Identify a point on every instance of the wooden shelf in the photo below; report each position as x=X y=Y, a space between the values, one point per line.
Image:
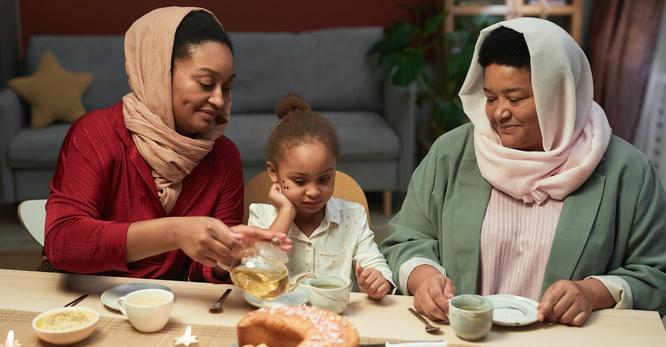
x=518 y=8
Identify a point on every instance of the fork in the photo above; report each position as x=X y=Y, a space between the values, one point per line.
x=217 y=307
x=431 y=329
x=76 y=301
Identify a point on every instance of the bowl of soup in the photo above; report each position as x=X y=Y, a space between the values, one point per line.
x=65 y=325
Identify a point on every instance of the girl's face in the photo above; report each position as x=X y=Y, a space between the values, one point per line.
x=306 y=175
x=201 y=88
x=510 y=107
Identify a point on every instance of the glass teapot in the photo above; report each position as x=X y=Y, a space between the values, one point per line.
x=262 y=271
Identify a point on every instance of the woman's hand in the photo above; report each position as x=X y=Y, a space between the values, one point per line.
x=279 y=200
x=571 y=302
x=432 y=292
x=372 y=282
x=209 y=241
x=248 y=235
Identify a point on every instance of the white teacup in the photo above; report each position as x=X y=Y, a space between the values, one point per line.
x=329 y=292
x=470 y=316
x=148 y=309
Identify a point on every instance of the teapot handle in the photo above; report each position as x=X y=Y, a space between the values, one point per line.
x=224 y=266
x=296 y=280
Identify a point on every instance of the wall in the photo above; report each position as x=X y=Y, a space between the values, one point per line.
x=114 y=17
x=9 y=41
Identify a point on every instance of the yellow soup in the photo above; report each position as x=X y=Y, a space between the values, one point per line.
x=65 y=320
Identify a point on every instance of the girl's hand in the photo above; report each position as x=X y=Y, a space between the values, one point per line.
x=571 y=302
x=372 y=282
x=278 y=199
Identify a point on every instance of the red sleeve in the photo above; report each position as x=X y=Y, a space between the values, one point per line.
x=76 y=239
x=230 y=199
x=230 y=202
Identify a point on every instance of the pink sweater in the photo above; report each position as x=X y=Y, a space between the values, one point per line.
x=515 y=244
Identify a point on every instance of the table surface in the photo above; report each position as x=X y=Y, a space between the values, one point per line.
x=386 y=319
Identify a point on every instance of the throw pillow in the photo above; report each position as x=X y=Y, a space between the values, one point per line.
x=52 y=92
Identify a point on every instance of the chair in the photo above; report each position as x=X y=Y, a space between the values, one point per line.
x=32 y=214
x=256 y=191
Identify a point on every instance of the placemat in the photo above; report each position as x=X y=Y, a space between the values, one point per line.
x=118 y=332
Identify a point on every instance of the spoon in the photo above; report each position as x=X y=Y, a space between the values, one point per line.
x=217 y=308
x=431 y=329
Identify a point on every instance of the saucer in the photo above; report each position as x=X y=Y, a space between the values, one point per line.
x=295 y=297
x=513 y=310
x=110 y=297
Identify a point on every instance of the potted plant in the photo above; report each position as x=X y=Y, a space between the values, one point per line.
x=417 y=50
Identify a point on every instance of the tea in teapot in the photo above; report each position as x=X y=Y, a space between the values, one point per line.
x=262 y=272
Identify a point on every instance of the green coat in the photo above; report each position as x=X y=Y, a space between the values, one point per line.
x=614 y=224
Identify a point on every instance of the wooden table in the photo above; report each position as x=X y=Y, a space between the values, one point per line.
x=388 y=318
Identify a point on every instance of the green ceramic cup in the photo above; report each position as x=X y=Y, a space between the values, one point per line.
x=470 y=316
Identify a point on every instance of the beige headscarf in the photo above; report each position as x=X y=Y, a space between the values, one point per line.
x=148 y=109
x=574 y=128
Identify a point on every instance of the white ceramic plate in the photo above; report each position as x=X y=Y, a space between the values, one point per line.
x=512 y=310
x=111 y=296
x=296 y=297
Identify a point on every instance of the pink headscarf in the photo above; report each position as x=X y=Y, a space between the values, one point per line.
x=574 y=128
x=148 y=109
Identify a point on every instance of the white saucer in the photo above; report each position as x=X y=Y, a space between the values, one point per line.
x=512 y=310
x=296 y=297
x=111 y=296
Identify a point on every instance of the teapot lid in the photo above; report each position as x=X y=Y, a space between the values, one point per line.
x=268 y=250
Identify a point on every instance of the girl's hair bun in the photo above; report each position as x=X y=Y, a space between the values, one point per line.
x=291 y=102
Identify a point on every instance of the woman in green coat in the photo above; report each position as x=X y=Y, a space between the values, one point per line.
x=535 y=197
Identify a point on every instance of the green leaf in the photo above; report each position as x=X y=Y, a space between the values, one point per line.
x=434 y=24
x=397 y=37
x=406 y=67
x=460 y=63
x=447 y=114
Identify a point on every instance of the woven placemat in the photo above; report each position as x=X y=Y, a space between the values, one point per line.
x=118 y=332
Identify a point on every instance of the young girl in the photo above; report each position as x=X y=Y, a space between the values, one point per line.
x=327 y=234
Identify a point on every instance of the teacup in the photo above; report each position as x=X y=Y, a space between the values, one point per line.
x=470 y=316
x=329 y=292
x=148 y=309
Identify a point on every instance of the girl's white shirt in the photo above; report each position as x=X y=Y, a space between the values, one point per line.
x=342 y=239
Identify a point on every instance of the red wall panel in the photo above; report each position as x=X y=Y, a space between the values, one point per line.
x=59 y=17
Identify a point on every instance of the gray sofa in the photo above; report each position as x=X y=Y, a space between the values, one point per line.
x=329 y=68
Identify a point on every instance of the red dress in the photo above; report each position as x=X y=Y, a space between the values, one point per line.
x=102 y=184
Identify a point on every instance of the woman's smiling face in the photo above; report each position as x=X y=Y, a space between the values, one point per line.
x=510 y=107
x=201 y=88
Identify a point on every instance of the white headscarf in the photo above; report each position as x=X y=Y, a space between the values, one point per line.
x=575 y=131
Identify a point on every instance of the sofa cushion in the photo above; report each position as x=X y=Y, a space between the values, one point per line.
x=365 y=136
x=52 y=92
x=102 y=56
x=37 y=148
x=330 y=69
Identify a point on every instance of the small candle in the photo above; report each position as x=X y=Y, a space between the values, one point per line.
x=187 y=338
x=10 y=342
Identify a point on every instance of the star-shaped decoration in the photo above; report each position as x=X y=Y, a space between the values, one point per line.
x=186 y=339
x=10 y=341
x=52 y=92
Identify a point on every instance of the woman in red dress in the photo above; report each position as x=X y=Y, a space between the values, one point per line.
x=150 y=187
